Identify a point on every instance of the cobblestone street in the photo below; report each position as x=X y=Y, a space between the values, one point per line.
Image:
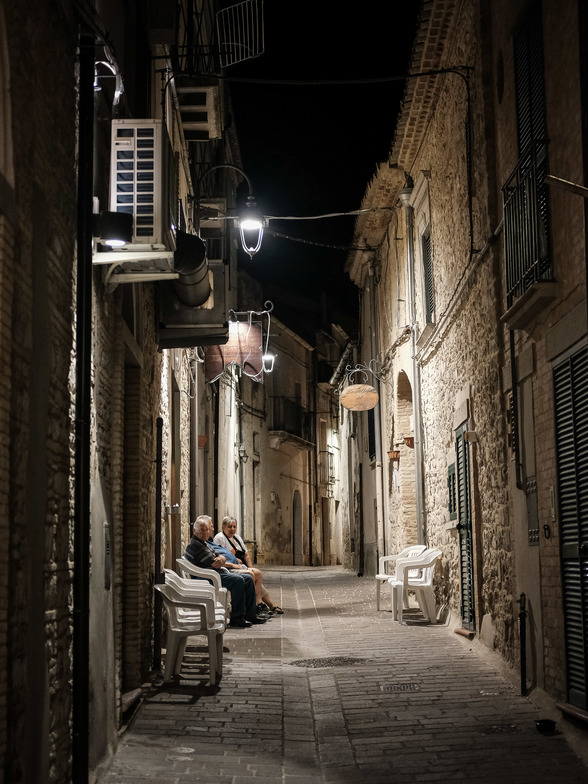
x=334 y=692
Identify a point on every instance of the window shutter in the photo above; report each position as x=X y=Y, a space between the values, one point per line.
x=571 y=424
x=452 y=492
x=428 y=278
x=529 y=80
x=464 y=526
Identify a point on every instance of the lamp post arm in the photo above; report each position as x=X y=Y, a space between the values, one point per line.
x=228 y=166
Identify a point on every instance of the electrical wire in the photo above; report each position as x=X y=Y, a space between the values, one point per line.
x=316 y=244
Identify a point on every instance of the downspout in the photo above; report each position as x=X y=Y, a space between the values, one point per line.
x=159 y=576
x=81 y=523
x=239 y=404
x=404 y=196
x=194 y=484
x=216 y=391
x=380 y=533
x=515 y=414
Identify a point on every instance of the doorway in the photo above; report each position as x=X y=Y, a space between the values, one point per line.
x=297 y=545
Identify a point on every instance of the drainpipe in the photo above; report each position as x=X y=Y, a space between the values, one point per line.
x=380 y=525
x=159 y=576
x=81 y=525
x=239 y=403
x=194 y=484
x=404 y=196
x=515 y=425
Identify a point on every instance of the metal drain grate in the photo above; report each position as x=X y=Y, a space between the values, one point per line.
x=331 y=661
x=398 y=687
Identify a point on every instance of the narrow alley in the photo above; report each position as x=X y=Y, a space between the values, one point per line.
x=333 y=691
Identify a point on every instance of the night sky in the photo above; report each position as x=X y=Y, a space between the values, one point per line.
x=312 y=149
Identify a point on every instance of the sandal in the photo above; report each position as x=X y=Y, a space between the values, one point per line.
x=277 y=609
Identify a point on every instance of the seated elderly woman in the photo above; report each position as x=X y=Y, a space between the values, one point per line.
x=230 y=539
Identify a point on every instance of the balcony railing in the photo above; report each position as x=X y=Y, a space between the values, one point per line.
x=326 y=467
x=292 y=418
x=526 y=224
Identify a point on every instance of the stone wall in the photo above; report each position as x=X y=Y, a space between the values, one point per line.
x=37 y=231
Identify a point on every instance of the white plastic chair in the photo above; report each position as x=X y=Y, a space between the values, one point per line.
x=189 y=616
x=195 y=588
x=415 y=574
x=382 y=577
x=187 y=569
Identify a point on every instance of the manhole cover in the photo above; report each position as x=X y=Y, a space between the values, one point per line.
x=332 y=661
x=396 y=687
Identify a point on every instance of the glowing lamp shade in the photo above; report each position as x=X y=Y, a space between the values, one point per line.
x=268 y=360
x=359 y=397
x=251 y=227
x=115 y=228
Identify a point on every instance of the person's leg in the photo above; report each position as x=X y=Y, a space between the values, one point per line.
x=236 y=585
x=250 y=601
x=256 y=574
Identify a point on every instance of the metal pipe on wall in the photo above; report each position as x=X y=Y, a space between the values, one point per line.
x=195 y=434
x=159 y=577
x=81 y=525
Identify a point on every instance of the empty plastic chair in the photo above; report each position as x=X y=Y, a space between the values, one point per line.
x=189 y=616
x=415 y=574
x=383 y=576
x=195 y=588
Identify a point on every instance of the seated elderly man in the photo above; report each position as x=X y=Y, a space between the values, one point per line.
x=200 y=553
x=234 y=564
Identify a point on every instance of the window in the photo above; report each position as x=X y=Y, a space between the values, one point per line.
x=526 y=203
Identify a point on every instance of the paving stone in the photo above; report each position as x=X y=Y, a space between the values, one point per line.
x=376 y=703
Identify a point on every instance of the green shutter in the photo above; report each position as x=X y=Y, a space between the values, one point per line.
x=451 y=488
x=464 y=527
x=571 y=426
x=428 y=278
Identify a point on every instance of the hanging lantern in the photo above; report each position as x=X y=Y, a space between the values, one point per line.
x=359 y=397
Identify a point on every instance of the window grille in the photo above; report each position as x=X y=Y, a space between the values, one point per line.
x=526 y=202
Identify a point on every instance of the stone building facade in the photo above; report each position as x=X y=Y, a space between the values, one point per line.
x=473 y=276
x=37 y=211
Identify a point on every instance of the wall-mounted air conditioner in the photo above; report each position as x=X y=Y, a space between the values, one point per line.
x=143 y=180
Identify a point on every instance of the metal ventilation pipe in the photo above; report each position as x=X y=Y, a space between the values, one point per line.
x=193 y=286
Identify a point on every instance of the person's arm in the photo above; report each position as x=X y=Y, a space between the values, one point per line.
x=200 y=555
x=247 y=560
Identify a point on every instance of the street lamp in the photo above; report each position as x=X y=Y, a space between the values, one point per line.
x=250 y=222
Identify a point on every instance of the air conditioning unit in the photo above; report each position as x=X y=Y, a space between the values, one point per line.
x=143 y=180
